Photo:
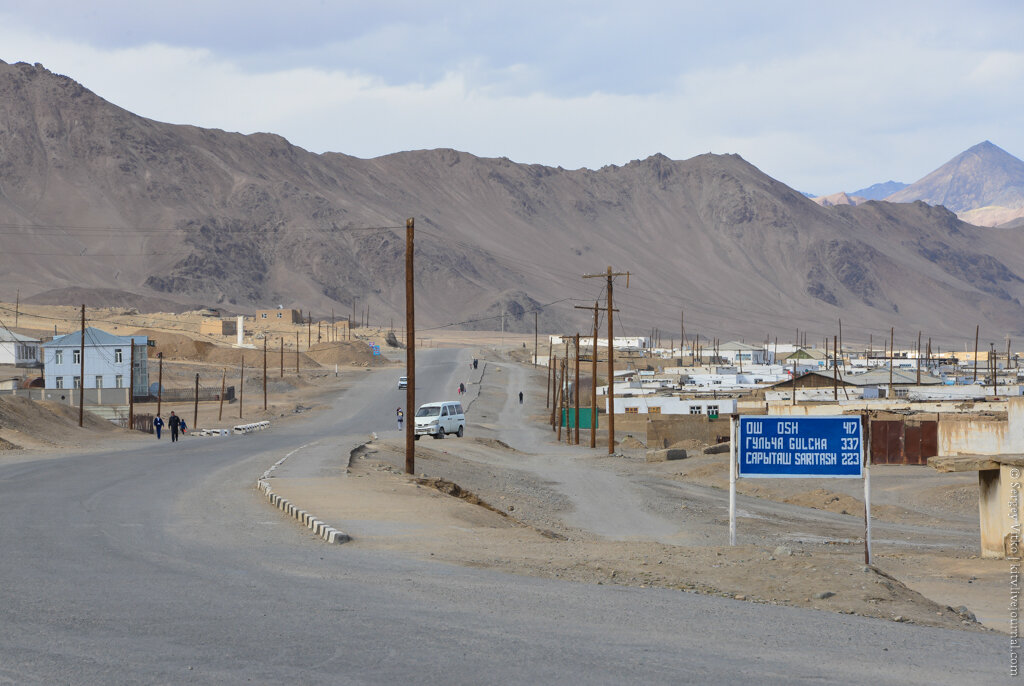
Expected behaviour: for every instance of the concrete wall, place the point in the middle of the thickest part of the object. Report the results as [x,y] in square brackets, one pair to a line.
[983,435]
[661,433]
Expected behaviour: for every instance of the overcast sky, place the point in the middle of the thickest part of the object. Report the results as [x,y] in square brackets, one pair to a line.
[824,96]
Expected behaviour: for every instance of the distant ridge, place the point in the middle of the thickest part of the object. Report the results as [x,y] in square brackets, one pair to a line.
[983,176]
[879,191]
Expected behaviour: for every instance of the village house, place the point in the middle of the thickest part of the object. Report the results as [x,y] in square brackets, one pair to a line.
[107,361]
[280,315]
[18,350]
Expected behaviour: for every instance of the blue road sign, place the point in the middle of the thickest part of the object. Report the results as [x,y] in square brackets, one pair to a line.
[800,446]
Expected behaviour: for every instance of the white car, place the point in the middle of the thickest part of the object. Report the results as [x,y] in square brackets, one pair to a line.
[438,419]
[403,382]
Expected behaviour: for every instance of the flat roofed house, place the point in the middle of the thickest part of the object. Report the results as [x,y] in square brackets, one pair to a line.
[107,361]
[281,315]
[19,350]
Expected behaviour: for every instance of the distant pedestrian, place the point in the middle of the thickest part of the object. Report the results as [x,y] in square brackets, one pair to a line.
[462,388]
[157,425]
[400,416]
[174,423]
[184,427]
[520,397]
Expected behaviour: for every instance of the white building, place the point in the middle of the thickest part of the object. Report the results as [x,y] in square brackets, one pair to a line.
[21,351]
[664,405]
[107,361]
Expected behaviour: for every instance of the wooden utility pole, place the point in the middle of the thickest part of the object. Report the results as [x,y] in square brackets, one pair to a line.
[410,352]
[841,343]
[223,386]
[17,306]
[296,353]
[81,374]
[309,330]
[282,357]
[977,330]
[609,275]
[195,406]
[159,381]
[892,355]
[682,334]
[547,388]
[241,384]
[561,403]
[553,360]
[918,358]
[131,386]
[264,373]
[835,369]
[593,384]
[576,394]
[535,339]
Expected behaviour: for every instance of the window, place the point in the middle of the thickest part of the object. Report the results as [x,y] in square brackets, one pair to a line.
[60,380]
[712,410]
[654,410]
[900,392]
[118,381]
[279,315]
[632,410]
[99,381]
[695,409]
[76,357]
[263,315]
[78,382]
[118,355]
[58,358]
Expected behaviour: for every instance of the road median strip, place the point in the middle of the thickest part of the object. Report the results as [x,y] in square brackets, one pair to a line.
[319,528]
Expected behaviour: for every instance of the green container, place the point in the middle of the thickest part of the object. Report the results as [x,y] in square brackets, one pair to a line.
[570,415]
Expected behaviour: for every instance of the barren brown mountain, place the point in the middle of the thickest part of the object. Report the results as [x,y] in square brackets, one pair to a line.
[95,197]
[984,185]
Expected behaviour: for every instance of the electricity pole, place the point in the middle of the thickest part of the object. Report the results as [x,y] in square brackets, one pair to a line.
[609,275]
[81,374]
[410,352]
[159,382]
[131,386]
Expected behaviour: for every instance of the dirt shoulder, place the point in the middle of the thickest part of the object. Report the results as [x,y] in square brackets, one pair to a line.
[528,522]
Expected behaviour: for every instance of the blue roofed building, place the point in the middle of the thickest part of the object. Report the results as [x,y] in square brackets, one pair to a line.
[107,361]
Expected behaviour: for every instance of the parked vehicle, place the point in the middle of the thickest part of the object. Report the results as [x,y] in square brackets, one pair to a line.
[403,382]
[439,419]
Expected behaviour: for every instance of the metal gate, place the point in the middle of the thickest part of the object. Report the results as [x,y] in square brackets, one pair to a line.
[903,442]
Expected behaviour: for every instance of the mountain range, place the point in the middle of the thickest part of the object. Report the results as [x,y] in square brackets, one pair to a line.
[94,198]
[984,185]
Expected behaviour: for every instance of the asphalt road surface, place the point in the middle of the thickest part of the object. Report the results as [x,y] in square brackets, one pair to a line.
[163,565]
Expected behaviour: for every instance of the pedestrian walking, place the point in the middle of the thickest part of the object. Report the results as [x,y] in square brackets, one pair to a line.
[520,397]
[184,427]
[400,416]
[462,388]
[157,425]
[174,424]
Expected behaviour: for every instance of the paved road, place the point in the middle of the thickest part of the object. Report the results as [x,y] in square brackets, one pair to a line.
[163,565]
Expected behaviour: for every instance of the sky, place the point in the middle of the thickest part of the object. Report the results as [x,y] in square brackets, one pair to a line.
[824,96]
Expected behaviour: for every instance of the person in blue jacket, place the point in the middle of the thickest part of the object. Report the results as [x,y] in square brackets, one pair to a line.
[158,424]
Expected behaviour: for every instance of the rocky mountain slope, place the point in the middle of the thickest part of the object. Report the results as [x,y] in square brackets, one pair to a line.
[983,185]
[94,197]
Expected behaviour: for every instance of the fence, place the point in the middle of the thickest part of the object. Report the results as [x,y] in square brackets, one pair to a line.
[180,395]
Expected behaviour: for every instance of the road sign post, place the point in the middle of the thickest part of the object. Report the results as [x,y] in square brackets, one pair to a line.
[773,447]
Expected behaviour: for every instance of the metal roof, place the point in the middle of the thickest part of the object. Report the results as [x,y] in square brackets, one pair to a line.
[94,337]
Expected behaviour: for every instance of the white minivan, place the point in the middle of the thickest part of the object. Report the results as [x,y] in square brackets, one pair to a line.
[438,419]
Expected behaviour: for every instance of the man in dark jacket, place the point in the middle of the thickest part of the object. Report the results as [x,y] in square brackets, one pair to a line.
[158,424]
[174,423]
